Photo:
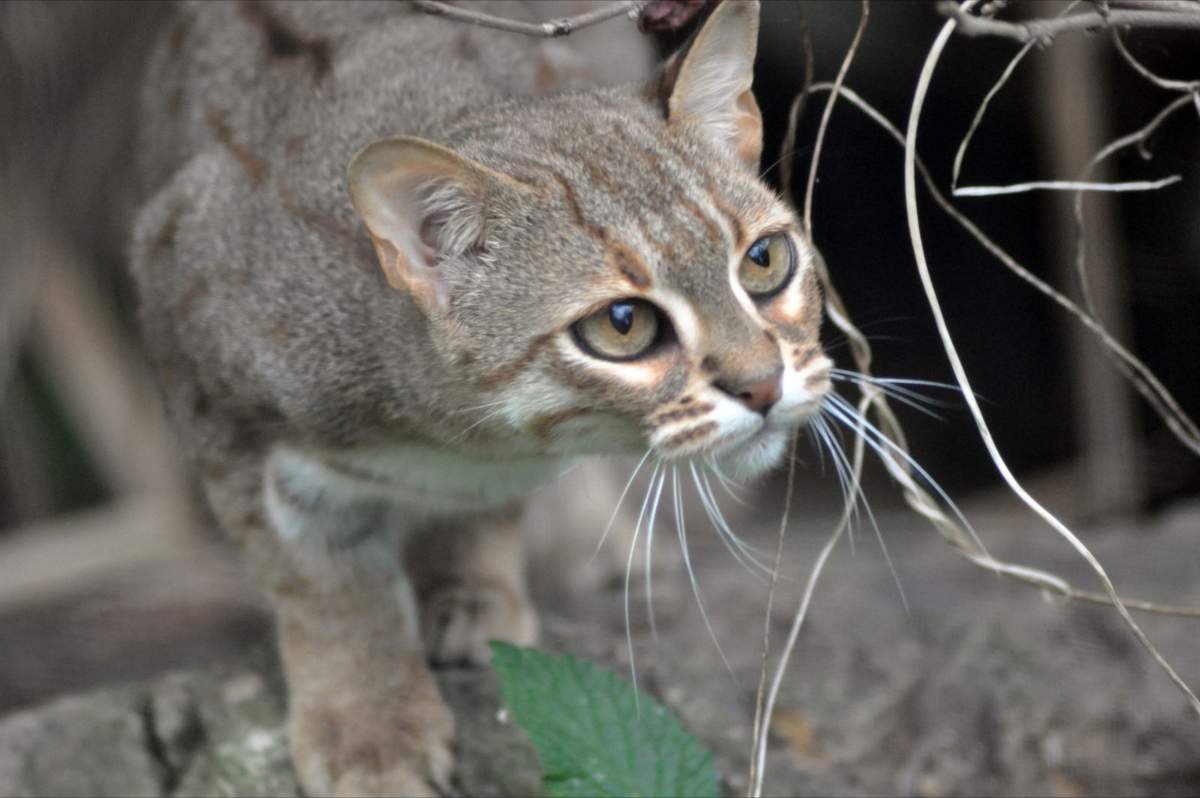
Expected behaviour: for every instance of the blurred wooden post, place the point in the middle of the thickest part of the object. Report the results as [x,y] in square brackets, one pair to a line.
[1075,102]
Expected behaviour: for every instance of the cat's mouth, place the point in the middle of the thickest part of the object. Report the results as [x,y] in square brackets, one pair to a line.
[747,450]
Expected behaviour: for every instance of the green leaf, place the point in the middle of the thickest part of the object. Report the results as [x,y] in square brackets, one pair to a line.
[593,737]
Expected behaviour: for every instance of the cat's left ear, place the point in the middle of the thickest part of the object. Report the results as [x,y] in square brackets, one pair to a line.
[709,83]
[422,204]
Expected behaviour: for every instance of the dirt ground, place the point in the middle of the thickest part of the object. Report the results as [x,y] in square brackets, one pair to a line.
[980,687]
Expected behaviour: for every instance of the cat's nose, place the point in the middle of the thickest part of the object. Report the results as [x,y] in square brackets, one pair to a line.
[758,393]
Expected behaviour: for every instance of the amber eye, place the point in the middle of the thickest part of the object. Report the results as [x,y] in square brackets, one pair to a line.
[624,330]
[767,266]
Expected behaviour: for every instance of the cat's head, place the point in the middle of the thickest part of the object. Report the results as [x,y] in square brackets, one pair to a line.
[606,270]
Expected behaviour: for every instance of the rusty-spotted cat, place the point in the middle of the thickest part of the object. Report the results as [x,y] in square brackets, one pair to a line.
[395,272]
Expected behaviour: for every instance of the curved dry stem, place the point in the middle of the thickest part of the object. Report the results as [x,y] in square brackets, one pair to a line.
[1044,580]
[761,717]
[914,226]
[549,29]
[1163,16]
[760,738]
[828,111]
[1138,138]
[1079,185]
[1144,71]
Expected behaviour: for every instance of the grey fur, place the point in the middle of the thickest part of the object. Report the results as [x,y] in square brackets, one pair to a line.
[308,391]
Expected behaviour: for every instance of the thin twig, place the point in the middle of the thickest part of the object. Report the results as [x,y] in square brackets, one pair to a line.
[1040,185]
[1173,5]
[820,140]
[762,713]
[1180,424]
[548,29]
[1144,71]
[914,495]
[914,227]
[760,735]
[917,498]
[1043,30]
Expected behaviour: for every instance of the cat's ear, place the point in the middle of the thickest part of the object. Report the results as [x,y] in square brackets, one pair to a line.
[422,204]
[709,82]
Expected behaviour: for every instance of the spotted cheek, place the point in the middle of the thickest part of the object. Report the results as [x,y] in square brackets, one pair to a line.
[700,421]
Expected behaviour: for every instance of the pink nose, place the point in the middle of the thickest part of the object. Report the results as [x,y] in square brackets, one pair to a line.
[758,394]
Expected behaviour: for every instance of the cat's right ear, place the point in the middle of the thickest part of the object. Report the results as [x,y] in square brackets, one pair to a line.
[421,203]
[708,83]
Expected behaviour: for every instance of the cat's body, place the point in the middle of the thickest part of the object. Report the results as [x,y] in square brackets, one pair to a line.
[364,418]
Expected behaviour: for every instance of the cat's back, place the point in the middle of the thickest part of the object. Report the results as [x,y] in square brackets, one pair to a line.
[255,80]
[259,78]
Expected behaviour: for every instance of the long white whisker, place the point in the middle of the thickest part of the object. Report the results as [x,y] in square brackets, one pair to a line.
[486,417]
[887,557]
[896,387]
[681,527]
[628,573]
[726,482]
[612,518]
[486,405]
[851,489]
[847,478]
[947,386]
[821,426]
[649,549]
[905,397]
[713,513]
[899,383]
[886,448]
[748,550]
[815,439]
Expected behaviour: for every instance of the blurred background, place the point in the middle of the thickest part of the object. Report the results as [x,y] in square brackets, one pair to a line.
[105,576]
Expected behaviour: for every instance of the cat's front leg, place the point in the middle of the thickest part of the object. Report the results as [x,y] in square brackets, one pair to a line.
[365,717]
[469,580]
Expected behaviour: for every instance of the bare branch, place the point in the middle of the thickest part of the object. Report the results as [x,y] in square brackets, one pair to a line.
[548,29]
[824,124]
[915,233]
[1043,30]
[1157,80]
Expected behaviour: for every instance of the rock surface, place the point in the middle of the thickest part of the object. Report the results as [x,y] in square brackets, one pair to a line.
[982,687]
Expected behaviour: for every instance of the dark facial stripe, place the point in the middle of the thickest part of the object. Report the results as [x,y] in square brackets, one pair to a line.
[688,435]
[667,252]
[629,265]
[731,215]
[623,257]
[595,231]
[543,425]
[507,373]
[714,232]
[682,413]
[630,132]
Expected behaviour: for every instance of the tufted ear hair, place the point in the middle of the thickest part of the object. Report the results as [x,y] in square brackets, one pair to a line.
[709,82]
[422,204]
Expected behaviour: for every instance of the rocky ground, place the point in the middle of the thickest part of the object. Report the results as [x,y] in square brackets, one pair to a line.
[980,687]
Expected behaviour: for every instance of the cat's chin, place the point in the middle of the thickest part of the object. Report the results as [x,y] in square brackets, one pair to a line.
[752,458]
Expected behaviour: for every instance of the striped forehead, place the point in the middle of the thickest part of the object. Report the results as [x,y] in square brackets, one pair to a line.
[683,220]
[665,210]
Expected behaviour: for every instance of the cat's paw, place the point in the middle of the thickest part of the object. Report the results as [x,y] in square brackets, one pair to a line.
[373,748]
[458,621]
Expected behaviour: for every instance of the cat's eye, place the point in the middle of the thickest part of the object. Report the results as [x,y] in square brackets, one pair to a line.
[767,266]
[623,330]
